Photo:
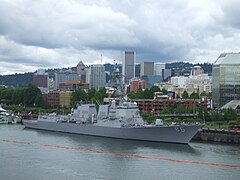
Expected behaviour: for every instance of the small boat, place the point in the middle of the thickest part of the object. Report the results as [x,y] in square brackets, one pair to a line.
[8,118]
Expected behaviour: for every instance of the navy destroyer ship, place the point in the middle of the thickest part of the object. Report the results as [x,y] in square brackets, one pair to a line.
[123,121]
[114,121]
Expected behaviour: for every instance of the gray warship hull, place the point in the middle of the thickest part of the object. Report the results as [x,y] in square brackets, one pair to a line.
[171,134]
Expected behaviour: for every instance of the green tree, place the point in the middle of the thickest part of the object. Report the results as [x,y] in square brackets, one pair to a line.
[164,91]
[203,114]
[210,94]
[180,109]
[204,93]
[132,95]
[166,110]
[39,102]
[101,94]
[78,96]
[30,94]
[148,117]
[229,114]
[185,95]
[91,93]
[194,95]
[207,116]
[152,90]
[140,93]
[146,94]
[6,93]
[189,110]
[155,89]
[215,116]
[18,96]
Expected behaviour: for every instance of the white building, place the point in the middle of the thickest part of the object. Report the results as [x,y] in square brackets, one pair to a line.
[179,81]
[158,67]
[179,84]
[202,81]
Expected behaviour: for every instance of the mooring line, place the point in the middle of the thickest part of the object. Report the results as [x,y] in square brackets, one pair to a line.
[120,154]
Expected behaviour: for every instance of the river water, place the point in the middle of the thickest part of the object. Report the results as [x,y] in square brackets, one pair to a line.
[27,154]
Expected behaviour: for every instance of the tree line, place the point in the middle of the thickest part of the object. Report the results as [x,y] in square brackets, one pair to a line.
[31,96]
[28,96]
[227,116]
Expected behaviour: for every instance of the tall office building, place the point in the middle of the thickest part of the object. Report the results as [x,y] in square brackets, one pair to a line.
[226,79]
[147,68]
[128,65]
[88,75]
[81,72]
[97,76]
[158,68]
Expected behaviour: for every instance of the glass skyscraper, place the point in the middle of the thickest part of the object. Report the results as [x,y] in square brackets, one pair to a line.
[226,79]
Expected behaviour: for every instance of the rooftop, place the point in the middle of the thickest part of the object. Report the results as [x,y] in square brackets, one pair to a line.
[234,104]
[228,58]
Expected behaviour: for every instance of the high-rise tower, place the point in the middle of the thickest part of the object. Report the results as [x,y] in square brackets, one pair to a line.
[147,68]
[81,72]
[97,76]
[128,65]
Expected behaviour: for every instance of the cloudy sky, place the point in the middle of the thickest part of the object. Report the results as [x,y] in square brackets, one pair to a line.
[60,33]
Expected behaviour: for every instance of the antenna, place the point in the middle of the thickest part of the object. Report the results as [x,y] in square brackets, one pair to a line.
[114,65]
[101,58]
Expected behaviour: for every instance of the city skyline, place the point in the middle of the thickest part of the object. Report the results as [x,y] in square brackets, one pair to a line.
[53,34]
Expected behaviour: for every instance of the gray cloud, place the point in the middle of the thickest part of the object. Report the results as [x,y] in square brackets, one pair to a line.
[61,24]
[231,14]
[59,33]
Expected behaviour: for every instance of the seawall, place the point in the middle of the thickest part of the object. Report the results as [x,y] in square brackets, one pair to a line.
[216,135]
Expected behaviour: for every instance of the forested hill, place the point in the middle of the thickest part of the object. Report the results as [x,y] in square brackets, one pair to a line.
[181,68]
[16,80]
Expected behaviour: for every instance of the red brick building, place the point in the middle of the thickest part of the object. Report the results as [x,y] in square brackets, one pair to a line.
[52,99]
[157,105]
[135,84]
[57,99]
[40,80]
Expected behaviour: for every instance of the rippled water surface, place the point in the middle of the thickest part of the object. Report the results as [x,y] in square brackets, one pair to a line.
[27,154]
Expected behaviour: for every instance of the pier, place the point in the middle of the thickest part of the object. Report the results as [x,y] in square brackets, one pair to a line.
[218,135]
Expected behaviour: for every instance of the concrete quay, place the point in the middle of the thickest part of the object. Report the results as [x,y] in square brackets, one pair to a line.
[218,135]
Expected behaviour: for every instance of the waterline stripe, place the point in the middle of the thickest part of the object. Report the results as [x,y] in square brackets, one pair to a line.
[120,154]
